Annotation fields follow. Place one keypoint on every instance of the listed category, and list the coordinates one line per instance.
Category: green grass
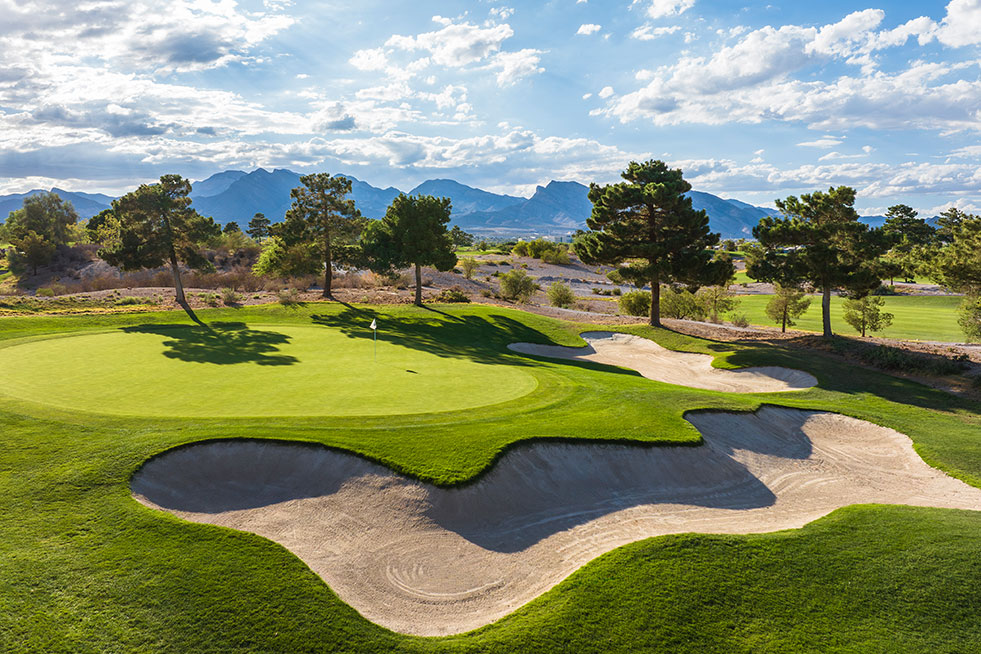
(285, 370)
(917, 317)
(86, 568)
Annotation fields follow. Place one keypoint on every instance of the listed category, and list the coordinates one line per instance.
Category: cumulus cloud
(589, 28)
(759, 77)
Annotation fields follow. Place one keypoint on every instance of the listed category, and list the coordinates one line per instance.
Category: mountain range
(556, 208)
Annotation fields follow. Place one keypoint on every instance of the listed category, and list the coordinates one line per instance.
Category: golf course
(472, 479)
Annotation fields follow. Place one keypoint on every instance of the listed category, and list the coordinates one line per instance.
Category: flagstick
(376, 343)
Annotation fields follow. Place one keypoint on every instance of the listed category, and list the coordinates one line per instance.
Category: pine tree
(865, 314)
(155, 226)
(649, 221)
(787, 304)
(258, 227)
(819, 241)
(323, 216)
(413, 232)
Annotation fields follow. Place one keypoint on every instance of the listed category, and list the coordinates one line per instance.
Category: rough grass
(86, 568)
(917, 317)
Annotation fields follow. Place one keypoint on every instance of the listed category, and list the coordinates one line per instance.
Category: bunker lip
(681, 368)
(429, 561)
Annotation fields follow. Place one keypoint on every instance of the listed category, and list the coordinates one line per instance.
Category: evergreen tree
(45, 214)
(460, 238)
(648, 221)
(819, 241)
(35, 249)
(787, 304)
(866, 314)
(258, 227)
(907, 234)
(413, 232)
(155, 226)
(957, 266)
(323, 216)
(231, 227)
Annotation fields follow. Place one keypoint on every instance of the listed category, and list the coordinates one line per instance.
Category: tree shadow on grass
(221, 343)
(476, 338)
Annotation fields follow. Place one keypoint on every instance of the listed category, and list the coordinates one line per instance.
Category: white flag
(374, 324)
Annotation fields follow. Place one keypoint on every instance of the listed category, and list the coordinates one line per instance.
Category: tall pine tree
(819, 241)
(155, 226)
(413, 232)
(648, 222)
(323, 216)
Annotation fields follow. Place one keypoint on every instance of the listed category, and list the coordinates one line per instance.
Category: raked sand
(422, 560)
(663, 365)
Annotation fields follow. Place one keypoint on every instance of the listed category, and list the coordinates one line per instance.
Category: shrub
(681, 304)
(617, 291)
(486, 292)
(616, 276)
(45, 292)
(898, 359)
(517, 286)
(560, 295)
(289, 297)
(454, 294)
(635, 303)
(211, 299)
(740, 320)
(229, 297)
(129, 300)
(558, 256)
(970, 317)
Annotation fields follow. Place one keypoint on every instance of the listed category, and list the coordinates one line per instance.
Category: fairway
(917, 317)
(232, 370)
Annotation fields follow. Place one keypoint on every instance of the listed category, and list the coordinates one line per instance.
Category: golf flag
(374, 324)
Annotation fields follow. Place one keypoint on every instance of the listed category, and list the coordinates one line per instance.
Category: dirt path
(663, 365)
(429, 561)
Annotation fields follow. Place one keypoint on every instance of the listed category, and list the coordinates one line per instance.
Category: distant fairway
(917, 317)
(282, 370)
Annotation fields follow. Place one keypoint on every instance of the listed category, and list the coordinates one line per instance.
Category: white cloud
(513, 66)
(589, 28)
(662, 8)
(821, 143)
(457, 44)
(605, 92)
(962, 24)
(649, 33)
(370, 59)
(586, 96)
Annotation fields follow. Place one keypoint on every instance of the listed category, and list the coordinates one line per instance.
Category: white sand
(663, 365)
(429, 561)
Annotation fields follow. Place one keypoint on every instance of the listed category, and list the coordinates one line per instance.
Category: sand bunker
(429, 561)
(663, 365)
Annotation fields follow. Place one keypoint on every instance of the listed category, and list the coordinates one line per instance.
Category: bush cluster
(517, 286)
(886, 357)
(454, 294)
(560, 295)
(547, 251)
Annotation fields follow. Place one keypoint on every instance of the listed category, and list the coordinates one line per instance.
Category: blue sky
(752, 101)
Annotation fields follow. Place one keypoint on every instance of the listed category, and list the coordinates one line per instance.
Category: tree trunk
(179, 289)
(656, 302)
(418, 286)
(328, 269)
(783, 329)
(826, 311)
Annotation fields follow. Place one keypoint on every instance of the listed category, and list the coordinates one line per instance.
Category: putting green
(231, 370)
